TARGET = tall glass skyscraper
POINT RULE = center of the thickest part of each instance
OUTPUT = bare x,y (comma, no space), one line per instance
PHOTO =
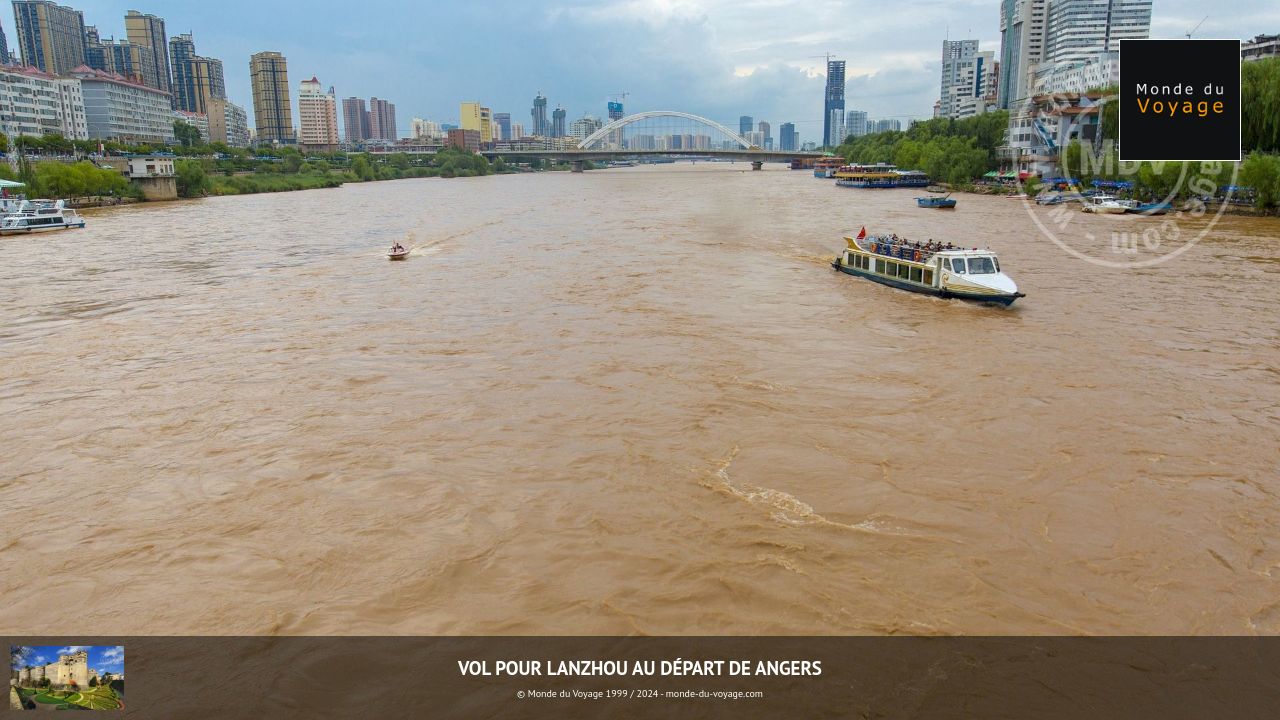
833,107
540,126
558,122
1080,30
746,124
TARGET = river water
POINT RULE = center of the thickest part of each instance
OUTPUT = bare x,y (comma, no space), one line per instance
630,401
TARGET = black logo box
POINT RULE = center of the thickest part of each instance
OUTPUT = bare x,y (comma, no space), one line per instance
1188,64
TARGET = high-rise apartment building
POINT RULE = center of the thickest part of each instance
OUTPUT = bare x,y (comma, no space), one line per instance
50,36
582,128
855,123
967,75
181,49
317,117
272,110
788,139
228,123
541,128
420,129
746,124
4,47
1022,36
469,116
486,125
136,62
355,120
208,81
833,104
502,126
96,54
197,80
767,133
148,31
382,120
1080,30
886,125
558,128
517,131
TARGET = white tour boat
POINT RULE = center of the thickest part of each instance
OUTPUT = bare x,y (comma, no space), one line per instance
949,273
1108,205
40,216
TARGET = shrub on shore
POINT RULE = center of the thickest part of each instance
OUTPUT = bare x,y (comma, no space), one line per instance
263,183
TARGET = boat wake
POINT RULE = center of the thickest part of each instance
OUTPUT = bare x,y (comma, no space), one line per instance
787,508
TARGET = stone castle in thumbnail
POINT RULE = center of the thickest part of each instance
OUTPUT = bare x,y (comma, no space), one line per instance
68,669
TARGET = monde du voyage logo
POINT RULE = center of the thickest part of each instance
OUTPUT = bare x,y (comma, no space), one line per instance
1180,100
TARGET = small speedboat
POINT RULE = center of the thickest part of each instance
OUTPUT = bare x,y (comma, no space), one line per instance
943,203
398,252
1159,208
1050,200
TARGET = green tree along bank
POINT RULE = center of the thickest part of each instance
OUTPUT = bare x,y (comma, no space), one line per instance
955,151
70,180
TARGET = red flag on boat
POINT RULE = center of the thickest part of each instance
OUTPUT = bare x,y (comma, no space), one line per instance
863,232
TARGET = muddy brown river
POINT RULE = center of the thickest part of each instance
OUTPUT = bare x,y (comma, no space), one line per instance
631,401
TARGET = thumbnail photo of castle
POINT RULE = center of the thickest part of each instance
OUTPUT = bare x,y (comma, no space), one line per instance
71,677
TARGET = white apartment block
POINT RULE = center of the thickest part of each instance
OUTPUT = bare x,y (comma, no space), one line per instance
37,103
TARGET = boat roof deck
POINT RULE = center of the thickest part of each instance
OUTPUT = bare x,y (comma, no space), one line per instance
864,246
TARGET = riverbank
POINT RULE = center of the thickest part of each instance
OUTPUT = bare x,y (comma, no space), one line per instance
1001,191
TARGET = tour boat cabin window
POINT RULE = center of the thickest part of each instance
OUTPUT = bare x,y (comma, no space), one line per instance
903,270
880,266
981,266
915,274
928,276
957,265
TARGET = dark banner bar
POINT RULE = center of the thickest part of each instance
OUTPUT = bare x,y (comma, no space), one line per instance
692,677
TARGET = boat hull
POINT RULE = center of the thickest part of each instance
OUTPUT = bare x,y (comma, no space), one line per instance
936,203
397,256
1001,299
41,228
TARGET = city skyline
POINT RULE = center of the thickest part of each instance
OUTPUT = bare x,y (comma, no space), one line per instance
728,60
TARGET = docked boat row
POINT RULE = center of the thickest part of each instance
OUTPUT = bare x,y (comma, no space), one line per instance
942,271
879,176
27,216
1111,205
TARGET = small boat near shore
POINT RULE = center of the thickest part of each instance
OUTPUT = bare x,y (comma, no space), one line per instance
398,252
1108,205
942,203
40,216
949,273
1160,208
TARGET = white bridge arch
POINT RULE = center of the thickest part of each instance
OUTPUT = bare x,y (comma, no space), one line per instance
617,125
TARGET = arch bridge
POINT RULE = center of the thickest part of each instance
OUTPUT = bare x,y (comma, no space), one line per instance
608,143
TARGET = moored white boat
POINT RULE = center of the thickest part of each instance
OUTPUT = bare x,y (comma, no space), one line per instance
949,273
1108,205
40,216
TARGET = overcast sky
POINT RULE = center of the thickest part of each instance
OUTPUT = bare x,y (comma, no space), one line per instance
717,58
